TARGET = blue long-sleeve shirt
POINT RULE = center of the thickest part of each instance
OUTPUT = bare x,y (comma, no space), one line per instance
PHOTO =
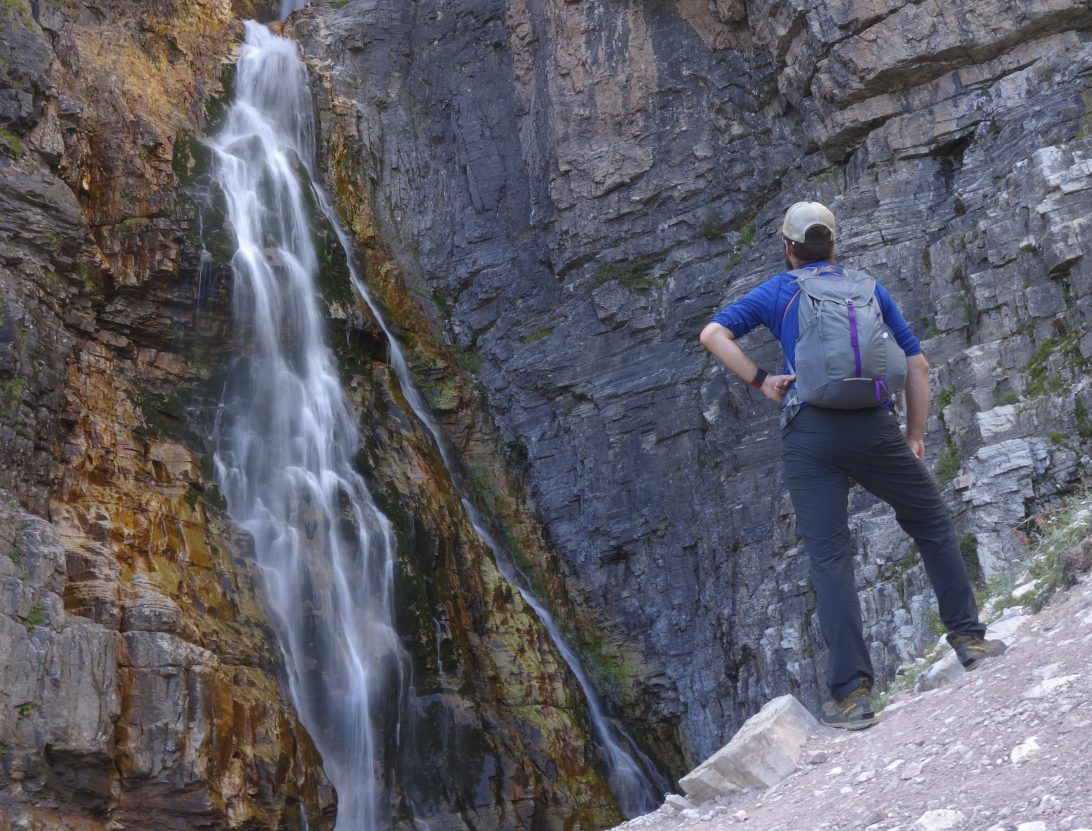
774,303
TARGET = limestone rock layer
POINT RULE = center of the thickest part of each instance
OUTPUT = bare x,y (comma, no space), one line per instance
140,685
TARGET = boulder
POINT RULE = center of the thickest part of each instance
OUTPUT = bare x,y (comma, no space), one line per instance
764,751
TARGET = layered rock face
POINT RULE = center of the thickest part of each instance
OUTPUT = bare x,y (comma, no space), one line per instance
140,685
566,191
575,188
492,730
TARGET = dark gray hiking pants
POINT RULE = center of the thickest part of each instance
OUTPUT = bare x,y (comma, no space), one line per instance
823,450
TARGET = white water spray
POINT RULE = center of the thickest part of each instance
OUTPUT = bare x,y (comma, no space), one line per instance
287,438
287,443
631,774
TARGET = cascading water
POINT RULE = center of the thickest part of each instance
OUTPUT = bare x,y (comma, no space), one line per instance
287,439
632,775
286,444
633,779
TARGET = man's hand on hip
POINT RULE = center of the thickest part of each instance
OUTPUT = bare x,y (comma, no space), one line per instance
776,386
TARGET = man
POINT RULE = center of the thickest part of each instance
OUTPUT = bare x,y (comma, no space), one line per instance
824,449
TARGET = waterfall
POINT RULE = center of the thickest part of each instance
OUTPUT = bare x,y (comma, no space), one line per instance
287,438
285,450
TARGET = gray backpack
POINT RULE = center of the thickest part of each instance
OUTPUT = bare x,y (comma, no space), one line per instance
846,356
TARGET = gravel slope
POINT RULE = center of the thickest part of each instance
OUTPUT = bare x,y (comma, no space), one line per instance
1007,747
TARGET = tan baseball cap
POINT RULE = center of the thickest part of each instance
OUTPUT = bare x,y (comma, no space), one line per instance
804,215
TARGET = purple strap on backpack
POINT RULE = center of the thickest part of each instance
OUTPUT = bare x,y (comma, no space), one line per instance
853,336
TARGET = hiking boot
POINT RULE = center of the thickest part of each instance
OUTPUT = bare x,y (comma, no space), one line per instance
972,650
854,712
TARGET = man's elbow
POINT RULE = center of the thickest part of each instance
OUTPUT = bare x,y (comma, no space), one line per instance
710,333
918,364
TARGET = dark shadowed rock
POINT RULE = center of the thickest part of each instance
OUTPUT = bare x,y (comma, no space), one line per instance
582,185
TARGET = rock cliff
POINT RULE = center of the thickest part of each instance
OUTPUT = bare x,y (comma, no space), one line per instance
572,189
140,685
549,199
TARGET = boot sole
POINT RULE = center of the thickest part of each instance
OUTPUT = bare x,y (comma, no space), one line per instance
861,724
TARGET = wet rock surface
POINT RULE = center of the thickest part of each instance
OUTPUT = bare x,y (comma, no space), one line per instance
114,336
106,727
140,685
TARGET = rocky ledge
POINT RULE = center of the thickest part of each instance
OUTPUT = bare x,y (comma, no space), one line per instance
1002,748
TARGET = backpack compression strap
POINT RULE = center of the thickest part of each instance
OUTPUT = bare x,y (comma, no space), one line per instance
853,339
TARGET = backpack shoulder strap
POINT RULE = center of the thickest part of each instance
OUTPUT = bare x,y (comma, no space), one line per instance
788,306
797,274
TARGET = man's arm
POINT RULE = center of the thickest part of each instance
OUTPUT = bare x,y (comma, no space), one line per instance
721,342
917,402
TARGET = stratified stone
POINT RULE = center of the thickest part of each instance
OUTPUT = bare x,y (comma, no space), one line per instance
59,690
579,217
105,318
571,206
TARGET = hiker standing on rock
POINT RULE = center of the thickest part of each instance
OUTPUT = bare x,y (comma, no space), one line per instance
847,349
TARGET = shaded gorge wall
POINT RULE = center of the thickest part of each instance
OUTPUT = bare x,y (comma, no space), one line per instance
570,191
